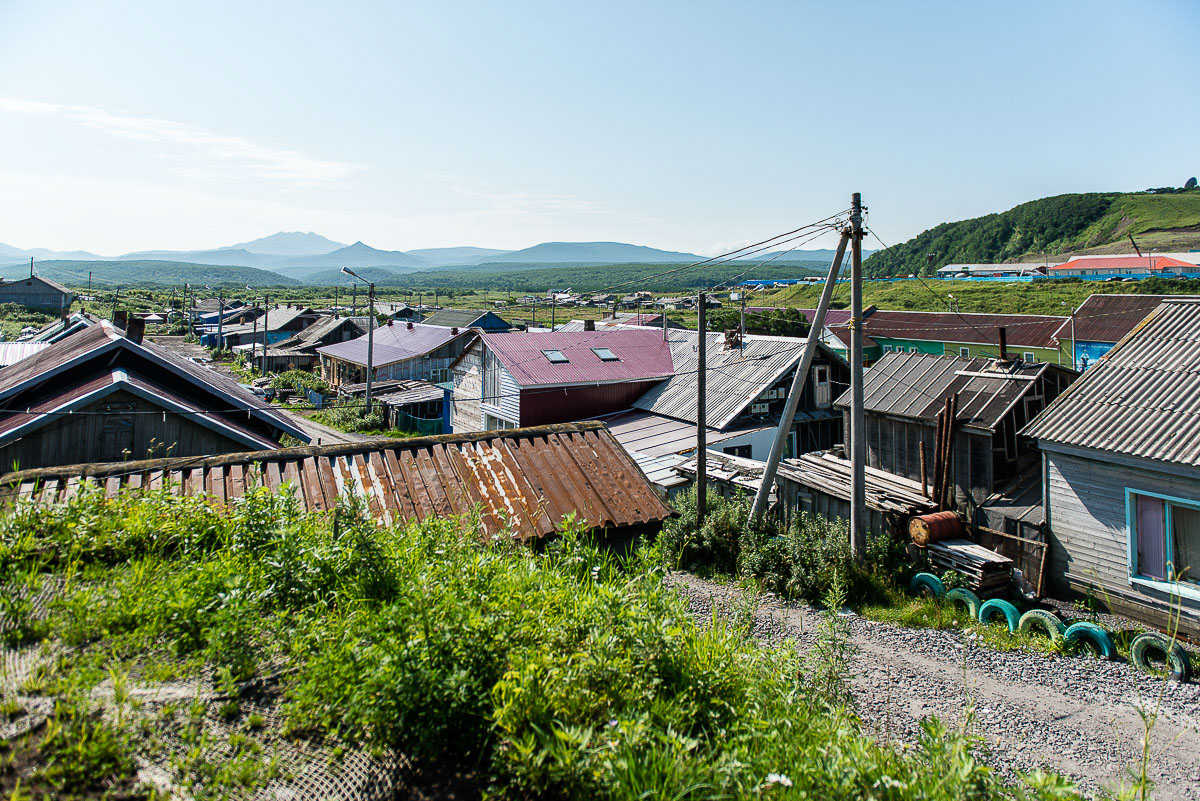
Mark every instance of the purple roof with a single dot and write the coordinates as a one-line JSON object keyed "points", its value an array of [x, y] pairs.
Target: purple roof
{"points": [[394, 343], [640, 356]]}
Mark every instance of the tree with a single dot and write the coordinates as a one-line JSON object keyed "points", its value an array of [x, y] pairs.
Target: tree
{"points": [[1191, 183]]}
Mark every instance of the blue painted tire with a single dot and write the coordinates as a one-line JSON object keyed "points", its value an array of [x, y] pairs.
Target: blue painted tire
{"points": [[1089, 635], [970, 600], [1040, 619], [927, 584], [997, 606], [1174, 654]]}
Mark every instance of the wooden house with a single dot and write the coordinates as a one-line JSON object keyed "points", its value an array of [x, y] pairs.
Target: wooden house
{"points": [[462, 319], [539, 377], [410, 351], [903, 393], [103, 394], [36, 292], [1120, 452]]}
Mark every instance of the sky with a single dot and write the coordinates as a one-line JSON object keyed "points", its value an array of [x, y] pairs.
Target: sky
{"points": [[694, 126]]}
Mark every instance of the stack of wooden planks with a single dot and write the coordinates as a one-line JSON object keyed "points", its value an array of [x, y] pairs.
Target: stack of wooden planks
{"points": [[886, 492], [988, 573]]}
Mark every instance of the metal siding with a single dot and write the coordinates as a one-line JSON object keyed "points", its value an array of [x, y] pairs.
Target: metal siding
{"points": [[540, 406]]}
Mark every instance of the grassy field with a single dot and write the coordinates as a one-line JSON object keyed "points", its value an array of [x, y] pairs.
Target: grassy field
{"points": [[1057, 297]]}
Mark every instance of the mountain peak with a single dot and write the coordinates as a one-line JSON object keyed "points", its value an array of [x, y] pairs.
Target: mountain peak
{"points": [[290, 243]]}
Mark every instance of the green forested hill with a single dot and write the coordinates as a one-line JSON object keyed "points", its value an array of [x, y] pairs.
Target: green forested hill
{"points": [[1092, 222], [147, 273]]}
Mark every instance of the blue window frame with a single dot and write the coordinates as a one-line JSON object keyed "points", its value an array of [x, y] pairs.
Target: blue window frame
{"points": [[1164, 539]]}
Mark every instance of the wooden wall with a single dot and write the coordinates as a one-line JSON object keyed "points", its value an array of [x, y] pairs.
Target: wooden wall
{"points": [[465, 414], [1089, 536], [104, 430]]}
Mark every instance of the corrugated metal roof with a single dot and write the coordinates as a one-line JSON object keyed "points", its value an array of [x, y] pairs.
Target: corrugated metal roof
{"points": [[640, 356], [655, 435], [394, 343], [522, 481], [1112, 263], [13, 352], [1108, 318], [323, 327], [275, 319], [101, 337], [460, 318], [735, 376], [1140, 399], [1022, 330], [916, 385], [407, 392]]}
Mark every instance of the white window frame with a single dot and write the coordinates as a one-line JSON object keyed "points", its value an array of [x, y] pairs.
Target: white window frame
{"points": [[1182, 588], [1030, 356], [964, 353]]}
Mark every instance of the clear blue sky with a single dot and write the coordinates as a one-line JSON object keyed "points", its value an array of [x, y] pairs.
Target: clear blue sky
{"points": [[688, 126]]}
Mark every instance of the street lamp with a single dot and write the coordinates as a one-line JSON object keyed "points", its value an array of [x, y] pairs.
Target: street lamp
{"points": [[370, 329]]}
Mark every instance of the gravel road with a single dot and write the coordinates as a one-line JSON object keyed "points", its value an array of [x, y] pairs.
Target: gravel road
{"points": [[1077, 716]]}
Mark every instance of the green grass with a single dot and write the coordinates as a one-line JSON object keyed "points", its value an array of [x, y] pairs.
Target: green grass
{"points": [[563, 672], [1055, 297]]}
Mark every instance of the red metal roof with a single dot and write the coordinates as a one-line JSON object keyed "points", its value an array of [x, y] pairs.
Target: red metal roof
{"points": [[1022, 330], [1142, 263], [1108, 318], [641, 355], [520, 482]]}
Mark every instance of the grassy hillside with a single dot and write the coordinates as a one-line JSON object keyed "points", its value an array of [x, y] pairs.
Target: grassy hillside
{"points": [[1040, 297], [1092, 222], [580, 277], [148, 274]]}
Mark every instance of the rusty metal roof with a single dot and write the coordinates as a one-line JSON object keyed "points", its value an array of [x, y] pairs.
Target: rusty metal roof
{"points": [[1108, 318], [1140, 399], [521, 481]]}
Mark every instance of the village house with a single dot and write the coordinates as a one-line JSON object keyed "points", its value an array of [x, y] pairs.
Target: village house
{"points": [[903, 393], [747, 386], [104, 394], [462, 319], [1125, 266], [271, 326], [64, 327], [36, 292], [1121, 461], [538, 377], [299, 351], [413, 351]]}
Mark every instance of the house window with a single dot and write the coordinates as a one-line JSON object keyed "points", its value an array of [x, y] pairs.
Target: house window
{"points": [[1165, 537], [555, 356], [964, 352], [605, 355], [887, 348], [1030, 356], [493, 423]]}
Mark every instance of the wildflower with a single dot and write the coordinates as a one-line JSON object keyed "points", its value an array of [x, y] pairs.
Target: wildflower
{"points": [[779, 778]]}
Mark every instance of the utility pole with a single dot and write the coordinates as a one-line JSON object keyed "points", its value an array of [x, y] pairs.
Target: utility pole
{"points": [[116, 295], [701, 423], [370, 331], [858, 434], [798, 381], [253, 337], [742, 338], [552, 299], [354, 302], [266, 319], [336, 295]]}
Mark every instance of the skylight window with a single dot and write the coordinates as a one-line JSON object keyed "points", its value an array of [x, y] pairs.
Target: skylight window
{"points": [[605, 355], [555, 356]]}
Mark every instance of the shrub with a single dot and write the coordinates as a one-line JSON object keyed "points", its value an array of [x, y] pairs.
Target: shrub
{"points": [[300, 381]]}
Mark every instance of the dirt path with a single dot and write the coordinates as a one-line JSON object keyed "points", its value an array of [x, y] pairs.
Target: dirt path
{"points": [[1077, 716]]}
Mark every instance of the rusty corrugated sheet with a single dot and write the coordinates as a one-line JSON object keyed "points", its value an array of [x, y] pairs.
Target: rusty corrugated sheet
{"points": [[521, 481]]}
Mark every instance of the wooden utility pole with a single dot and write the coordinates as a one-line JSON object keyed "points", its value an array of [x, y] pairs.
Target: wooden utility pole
{"points": [[858, 434], [701, 422], [798, 381], [266, 318]]}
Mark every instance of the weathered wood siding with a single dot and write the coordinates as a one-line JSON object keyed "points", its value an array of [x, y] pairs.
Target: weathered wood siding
{"points": [[118, 427], [501, 394], [35, 293], [795, 497], [465, 413], [1089, 534]]}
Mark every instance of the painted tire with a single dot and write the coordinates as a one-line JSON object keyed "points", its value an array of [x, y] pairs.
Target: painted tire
{"points": [[970, 600], [1091, 636], [1036, 619], [927, 584], [997, 606], [1174, 653]]}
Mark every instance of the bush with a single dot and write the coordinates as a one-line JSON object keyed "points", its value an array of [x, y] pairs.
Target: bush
{"points": [[803, 559], [351, 416], [300, 381]]}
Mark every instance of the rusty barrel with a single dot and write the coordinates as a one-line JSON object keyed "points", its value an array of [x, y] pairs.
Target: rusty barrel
{"points": [[933, 527]]}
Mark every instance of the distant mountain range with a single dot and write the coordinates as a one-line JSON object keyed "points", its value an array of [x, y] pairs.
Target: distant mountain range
{"points": [[290, 257]]}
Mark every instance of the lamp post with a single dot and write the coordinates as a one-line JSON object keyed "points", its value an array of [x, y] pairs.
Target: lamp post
{"points": [[370, 329]]}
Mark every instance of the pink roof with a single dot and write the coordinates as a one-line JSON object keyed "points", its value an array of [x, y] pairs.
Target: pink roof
{"points": [[641, 356], [394, 343]]}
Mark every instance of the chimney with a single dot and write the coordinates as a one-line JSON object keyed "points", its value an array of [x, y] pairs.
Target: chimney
{"points": [[389, 322], [410, 325], [1003, 344], [454, 331], [135, 329], [120, 318], [589, 325]]}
